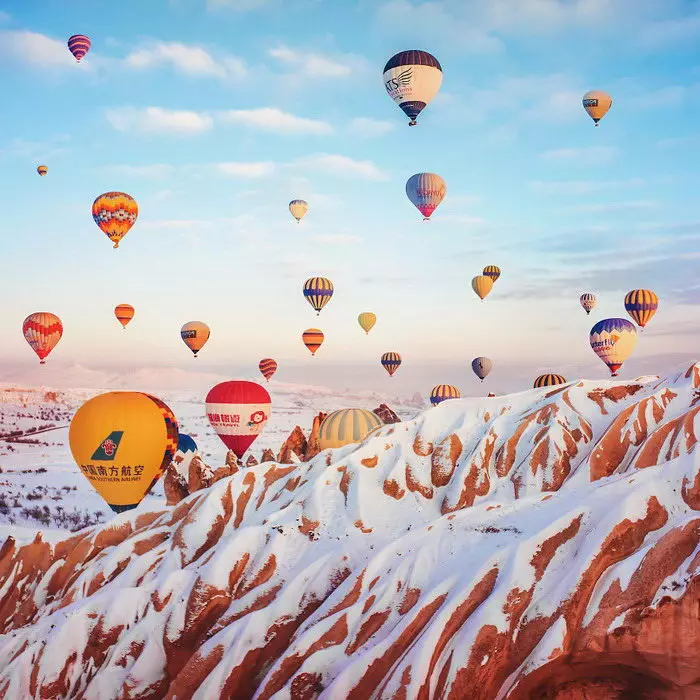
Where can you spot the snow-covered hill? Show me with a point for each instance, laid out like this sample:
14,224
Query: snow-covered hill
538,545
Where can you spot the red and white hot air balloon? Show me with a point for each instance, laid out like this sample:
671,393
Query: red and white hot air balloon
238,411
42,331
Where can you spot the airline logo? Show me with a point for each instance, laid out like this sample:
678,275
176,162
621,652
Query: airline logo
107,449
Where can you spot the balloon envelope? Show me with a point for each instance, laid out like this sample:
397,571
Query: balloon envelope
443,392
186,444
123,441
347,426
391,362
426,191
641,305
267,367
195,335
318,292
613,340
124,313
79,45
492,271
42,170
42,330
588,302
482,286
313,339
597,103
367,320
298,208
548,380
115,213
481,366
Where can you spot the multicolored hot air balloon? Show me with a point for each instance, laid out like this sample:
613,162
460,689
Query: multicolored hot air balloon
124,314
613,340
186,444
442,392
481,366
482,285
347,426
492,271
318,292
391,362
79,45
426,191
195,335
267,367
298,208
123,441
548,380
412,79
367,320
115,213
597,103
42,170
185,453
42,330
588,301
641,305
313,339
238,411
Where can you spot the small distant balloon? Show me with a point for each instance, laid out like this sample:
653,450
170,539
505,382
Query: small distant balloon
42,170
482,286
347,426
124,314
195,335
391,361
298,208
318,292
115,213
313,339
548,380
367,320
492,271
641,305
42,330
588,301
613,340
597,103
443,392
426,191
267,367
79,45
481,366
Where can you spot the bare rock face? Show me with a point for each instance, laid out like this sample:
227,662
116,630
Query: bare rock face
267,456
314,444
175,486
295,444
251,461
386,414
200,475
530,547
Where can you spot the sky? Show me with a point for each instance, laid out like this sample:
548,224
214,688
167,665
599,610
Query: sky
214,114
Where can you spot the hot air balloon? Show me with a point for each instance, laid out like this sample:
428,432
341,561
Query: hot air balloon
313,339
195,335
548,380
347,426
588,301
115,213
442,392
641,305
492,271
481,366
267,367
298,207
318,292
123,441
391,362
238,411
124,313
42,170
597,103
613,340
482,285
367,320
79,45
42,331
426,191
186,444
412,79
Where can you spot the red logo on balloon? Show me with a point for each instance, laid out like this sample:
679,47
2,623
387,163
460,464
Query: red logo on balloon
109,446
257,418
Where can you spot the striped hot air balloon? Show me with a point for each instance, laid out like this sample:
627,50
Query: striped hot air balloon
124,314
613,340
195,335
426,191
79,45
42,330
641,305
391,362
313,339
347,426
548,380
298,209
267,367
42,170
115,213
367,320
588,301
492,271
597,103
482,286
318,292
442,392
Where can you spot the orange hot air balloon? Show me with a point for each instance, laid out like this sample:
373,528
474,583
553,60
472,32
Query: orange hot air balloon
267,367
42,170
115,213
195,335
482,285
597,103
42,331
124,313
313,338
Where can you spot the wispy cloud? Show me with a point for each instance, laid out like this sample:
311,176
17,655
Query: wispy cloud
237,5
336,238
157,171
594,155
370,128
275,120
37,150
4,16
311,64
343,166
155,120
576,187
34,49
613,207
247,171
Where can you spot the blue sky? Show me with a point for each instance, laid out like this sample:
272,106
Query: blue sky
213,115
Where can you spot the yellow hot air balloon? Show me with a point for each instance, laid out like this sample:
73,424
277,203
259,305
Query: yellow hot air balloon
492,271
641,305
347,426
318,292
124,313
367,320
613,340
597,103
195,335
123,441
115,213
548,380
313,339
482,285
42,170
298,208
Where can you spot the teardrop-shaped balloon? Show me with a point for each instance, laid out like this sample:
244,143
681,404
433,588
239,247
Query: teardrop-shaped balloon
443,392
391,362
548,380
318,292
42,170
588,301
481,366
42,330
313,339
492,271
267,367
367,320
195,335
79,45
124,313
482,285
613,340
238,411
597,103
115,213
412,79
298,208
123,441
641,305
347,426
426,191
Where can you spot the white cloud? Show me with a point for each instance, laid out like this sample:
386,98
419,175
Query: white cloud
190,60
35,49
595,155
336,238
312,65
275,120
247,171
575,187
672,31
155,120
341,165
4,16
370,128
238,5
156,171
613,206
38,150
